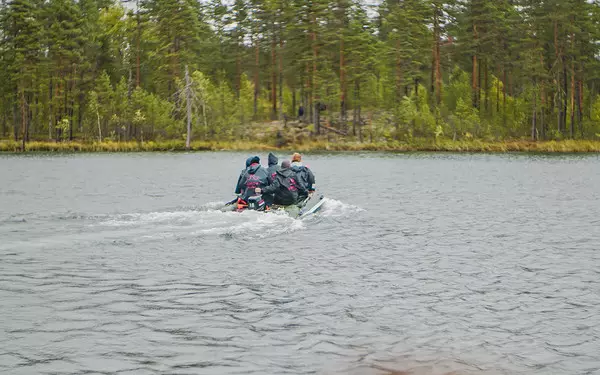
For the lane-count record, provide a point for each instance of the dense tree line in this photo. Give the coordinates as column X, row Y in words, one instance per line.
column 493, row 69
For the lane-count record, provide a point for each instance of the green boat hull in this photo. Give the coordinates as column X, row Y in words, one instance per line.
column 305, row 208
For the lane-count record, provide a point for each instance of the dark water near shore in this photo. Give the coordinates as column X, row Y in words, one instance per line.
column 429, row 263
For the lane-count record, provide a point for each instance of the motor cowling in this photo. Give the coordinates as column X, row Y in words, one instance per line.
column 256, row 203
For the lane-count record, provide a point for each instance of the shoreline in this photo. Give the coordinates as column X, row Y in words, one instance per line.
column 471, row 146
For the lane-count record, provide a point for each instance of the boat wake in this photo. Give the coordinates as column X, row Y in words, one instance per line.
column 335, row 208
column 179, row 223
column 208, row 220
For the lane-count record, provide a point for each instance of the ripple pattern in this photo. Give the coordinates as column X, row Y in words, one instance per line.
column 469, row 264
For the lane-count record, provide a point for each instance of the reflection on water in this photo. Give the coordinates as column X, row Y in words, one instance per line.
column 418, row 264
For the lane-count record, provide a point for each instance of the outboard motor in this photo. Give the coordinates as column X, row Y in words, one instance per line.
column 256, row 203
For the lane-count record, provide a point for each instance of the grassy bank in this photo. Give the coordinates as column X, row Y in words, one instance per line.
column 567, row 146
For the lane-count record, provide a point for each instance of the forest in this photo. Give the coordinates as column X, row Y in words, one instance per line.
column 391, row 71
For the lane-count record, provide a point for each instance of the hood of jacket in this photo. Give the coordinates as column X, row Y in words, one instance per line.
column 253, row 168
column 297, row 168
column 273, row 160
column 286, row 172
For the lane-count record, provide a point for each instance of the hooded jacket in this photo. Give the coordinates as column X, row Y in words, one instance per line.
column 237, row 186
column 285, row 187
column 273, row 167
column 255, row 177
column 305, row 176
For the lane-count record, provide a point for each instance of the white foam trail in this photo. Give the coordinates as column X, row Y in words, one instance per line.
column 212, row 205
column 335, row 208
column 199, row 223
column 253, row 224
column 176, row 218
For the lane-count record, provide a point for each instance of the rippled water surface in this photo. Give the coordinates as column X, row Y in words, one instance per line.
column 427, row 263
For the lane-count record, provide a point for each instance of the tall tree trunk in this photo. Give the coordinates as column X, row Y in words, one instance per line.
column 342, row 85
column 50, row 109
column 256, row 76
column 355, row 109
column 572, row 98
column 432, row 95
column 293, row 101
column 315, row 78
column 474, row 74
column 436, row 73
column 504, row 98
column 32, row 114
column 479, row 71
column 418, row 108
column 487, row 90
column 238, row 78
column 4, row 121
column 99, row 126
column 565, row 101
column 16, row 124
column 558, row 83
column 417, row 105
column 580, row 107
column 80, row 106
column 72, row 103
column 23, row 119
column 592, row 95
column 65, row 110
column 137, row 44
column 534, row 115
column 358, row 109
column 280, row 78
column 273, row 79
column 188, row 102
column 308, row 100
column 542, row 125
column 399, row 93
column 498, row 92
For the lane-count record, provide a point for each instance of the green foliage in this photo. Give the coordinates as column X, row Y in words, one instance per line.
column 593, row 124
column 416, row 69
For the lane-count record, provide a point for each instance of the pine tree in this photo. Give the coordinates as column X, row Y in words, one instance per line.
column 65, row 53
column 24, row 53
column 178, row 26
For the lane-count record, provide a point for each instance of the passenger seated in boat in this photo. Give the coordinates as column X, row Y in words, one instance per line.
column 285, row 186
column 238, row 186
column 306, row 178
column 254, row 177
column 271, row 174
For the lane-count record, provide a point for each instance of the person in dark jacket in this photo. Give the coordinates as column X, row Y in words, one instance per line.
column 306, row 178
column 271, row 173
column 285, row 187
column 255, row 177
column 237, row 186
column 273, row 167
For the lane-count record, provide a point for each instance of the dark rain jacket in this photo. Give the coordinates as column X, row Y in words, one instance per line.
column 273, row 167
column 285, row 187
column 255, row 177
column 305, row 176
column 237, row 186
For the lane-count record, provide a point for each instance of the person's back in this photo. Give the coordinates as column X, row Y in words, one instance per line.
column 271, row 173
column 285, row 186
column 273, row 167
column 255, row 177
column 305, row 176
column 238, row 187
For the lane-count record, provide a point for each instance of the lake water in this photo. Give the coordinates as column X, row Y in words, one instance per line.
column 426, row 263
